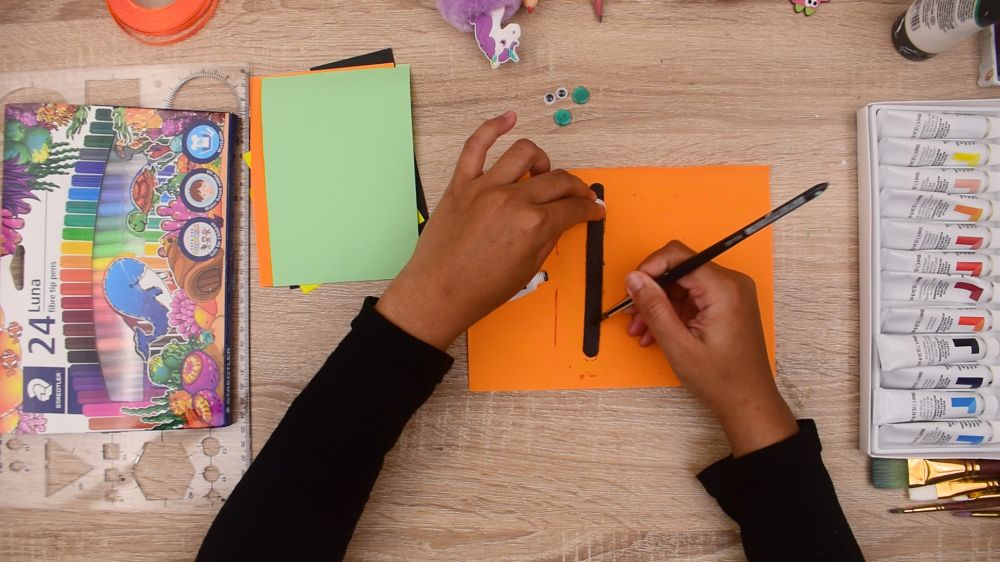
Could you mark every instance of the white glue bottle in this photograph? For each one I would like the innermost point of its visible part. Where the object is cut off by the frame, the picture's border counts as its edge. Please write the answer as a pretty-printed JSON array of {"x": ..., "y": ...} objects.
[{"x": 930, "y": 27}]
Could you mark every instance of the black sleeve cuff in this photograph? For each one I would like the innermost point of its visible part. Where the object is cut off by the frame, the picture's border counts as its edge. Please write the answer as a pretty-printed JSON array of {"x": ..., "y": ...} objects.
[
  {"x": 731, "y": 473},
  {"x": 399, "y": 346}
]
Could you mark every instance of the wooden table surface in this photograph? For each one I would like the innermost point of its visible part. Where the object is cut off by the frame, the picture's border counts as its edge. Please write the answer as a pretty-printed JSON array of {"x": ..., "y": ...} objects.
[{"x": 598, "y": 475}]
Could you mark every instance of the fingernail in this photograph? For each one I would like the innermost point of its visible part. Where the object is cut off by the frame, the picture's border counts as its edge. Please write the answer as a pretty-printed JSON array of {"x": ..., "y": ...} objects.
[
  {"x": 507, "y": 114},
  {"x": 601, "y": 202},
  {"x": 634, "y": 282}
]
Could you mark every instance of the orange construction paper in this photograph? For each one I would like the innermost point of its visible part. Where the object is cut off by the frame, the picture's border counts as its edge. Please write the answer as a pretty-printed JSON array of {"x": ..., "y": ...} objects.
[
  {"x": 536, "y": 342},
  {"x": 258, "y": 189}
]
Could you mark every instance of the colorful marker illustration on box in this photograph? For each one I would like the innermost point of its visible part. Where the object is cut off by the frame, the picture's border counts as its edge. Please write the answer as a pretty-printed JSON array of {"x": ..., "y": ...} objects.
[{"x": 113, "y": 273}]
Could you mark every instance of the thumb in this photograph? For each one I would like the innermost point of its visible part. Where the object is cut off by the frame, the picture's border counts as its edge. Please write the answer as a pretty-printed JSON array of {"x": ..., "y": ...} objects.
[{"x": 655, "y": 308}]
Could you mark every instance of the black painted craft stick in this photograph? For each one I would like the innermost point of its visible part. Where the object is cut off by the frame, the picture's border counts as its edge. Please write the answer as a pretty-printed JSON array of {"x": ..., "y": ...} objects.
[{"x": 713, "y": 251}]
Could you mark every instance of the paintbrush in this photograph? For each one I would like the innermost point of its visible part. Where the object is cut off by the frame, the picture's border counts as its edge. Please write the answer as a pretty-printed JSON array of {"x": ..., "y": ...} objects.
[
  {"x": 991, "y": 502},
  {"x": 715, "y": 250},
  {"x": 901, "y": 473},
  {"x": 976, "y": 513}
]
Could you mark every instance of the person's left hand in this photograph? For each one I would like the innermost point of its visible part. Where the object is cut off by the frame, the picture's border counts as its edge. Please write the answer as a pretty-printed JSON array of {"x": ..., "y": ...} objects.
[{"x": 488, "y": 236}]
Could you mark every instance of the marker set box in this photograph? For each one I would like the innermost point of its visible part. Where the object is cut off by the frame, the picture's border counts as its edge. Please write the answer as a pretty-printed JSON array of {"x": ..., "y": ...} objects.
[{"x": 929, "y": 235}]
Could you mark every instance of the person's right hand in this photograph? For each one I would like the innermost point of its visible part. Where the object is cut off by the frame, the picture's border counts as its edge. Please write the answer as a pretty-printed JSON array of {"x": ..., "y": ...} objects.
[{"x": 708, "y": 325}]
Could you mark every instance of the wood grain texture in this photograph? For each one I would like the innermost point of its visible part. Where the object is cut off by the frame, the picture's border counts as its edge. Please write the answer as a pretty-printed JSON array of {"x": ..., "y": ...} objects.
[{"x": 567, "y": 476}]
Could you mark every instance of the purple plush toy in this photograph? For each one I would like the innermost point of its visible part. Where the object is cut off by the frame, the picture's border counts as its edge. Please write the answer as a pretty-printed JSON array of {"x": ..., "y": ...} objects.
[{"x": 485, "y": 18}]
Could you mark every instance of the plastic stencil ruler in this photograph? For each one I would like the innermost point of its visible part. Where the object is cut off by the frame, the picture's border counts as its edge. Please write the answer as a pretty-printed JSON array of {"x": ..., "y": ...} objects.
[{"x": 143, "y": 470}]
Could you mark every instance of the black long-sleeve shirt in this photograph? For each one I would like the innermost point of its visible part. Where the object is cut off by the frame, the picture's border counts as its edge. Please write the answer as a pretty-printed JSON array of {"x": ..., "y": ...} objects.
[{"x": 303, "y": 495}]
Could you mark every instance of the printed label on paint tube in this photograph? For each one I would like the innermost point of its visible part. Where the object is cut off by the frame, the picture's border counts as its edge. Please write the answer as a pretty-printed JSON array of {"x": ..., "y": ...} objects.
[
  {"x": 905, "y": 235},
  {"x": 936, "y": 320},
  {"x": 959, "y": 375},
  {"x": 940, "y": 180},
  {"x": 910, "y": 152},
  {"x": 938, "y": 289},
  {"x": 957, "y": 432},
  {"x": 894, "y": 406},
  {"x": 898, "y": 352},
  {"x": 921, "y": 205},
  {"x": 926, "y": 125},
  {"x": 941, "y": 263},
  {"x": 935, "y": 27}
]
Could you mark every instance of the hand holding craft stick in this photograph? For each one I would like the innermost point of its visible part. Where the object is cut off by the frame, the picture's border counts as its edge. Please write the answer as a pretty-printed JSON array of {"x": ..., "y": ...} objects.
[
  {"x": 718, "y": 248},
  {"x": 488, "y": 237}
]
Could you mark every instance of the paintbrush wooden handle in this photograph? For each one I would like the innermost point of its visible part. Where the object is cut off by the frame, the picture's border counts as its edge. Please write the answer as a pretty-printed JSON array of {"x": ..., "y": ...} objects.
[{"x": 987, "y": 469}]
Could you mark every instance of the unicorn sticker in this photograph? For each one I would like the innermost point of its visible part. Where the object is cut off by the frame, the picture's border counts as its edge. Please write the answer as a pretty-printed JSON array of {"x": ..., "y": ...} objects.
[{"x": 498, "y": 43}]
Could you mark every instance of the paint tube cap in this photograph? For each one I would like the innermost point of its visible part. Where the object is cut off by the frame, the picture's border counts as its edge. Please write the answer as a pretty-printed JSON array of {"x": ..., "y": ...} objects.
[
  {"x": 994, "y": 131},
  {"x": 993, "y": 180},
  {"x": 994, "y": 269},
  {"x": 992, "y": 348},
  {"x": 994, "y": 158},
  {"x": 996, "y": 287},
  {"x": 994, "y": 375},
  {"x": 991, "y": 404}
]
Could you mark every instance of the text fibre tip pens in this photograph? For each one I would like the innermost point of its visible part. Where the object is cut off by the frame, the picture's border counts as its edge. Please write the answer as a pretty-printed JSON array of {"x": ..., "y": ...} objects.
[{"x": 713, "y": 251}]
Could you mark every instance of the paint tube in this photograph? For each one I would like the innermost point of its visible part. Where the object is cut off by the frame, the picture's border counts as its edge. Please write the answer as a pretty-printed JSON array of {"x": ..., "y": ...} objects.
[
  {"x": 929, "y": 27},
  {"x": 940, "y": 180},
  {"x": 941, "y": 263},
  {"x": 924, "y": 152},
  {"x": 955, "y": 432},
  {"x": 896, "y": 406},
  {"x": 926, "y": 125},
  {"x": 898, "y": 352},
  {"x": 907, "y": 235},
  {"x": 937, "y": 320},
  {"x": 938, "y": 289},
  {"x": 959, "y": 375},
  {"x": 921, "y": 205}
]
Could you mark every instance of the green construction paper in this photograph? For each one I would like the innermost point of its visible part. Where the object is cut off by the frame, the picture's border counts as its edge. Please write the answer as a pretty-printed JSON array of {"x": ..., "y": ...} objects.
[{"x": 340, "y": 179}]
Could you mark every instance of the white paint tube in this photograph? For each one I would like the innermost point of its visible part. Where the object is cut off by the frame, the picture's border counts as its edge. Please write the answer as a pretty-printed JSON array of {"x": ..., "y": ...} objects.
[
  {"x": 955, "y": 320},
  {"x": 941, "y": 263},
  {"x": 896, "y": 406},
  {"x": 921, "y": 205},
  {"x": 907, "y": 235},
  {"x": 956, "y": 432},
  {"x": 938, "y": 289},
  {"x": 929, "y": 152},
  {"x": 926, "y": 125},
  {"x": 898, "y": 352},
  {"x": 959, "y": 375},
  {"x": 939, "y": 180}
]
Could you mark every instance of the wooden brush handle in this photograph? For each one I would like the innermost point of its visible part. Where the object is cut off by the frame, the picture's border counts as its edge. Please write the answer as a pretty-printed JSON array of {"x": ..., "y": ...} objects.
[{"x": 988, "y": 469}]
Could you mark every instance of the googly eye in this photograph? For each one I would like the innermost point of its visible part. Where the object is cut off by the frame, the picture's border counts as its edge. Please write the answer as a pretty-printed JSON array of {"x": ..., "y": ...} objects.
[
  {"x": 550, "y": 98},
  {"x": 562, "y": 93}
]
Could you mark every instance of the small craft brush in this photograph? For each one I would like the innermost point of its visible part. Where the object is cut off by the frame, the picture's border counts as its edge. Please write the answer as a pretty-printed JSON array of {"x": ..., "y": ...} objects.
[
  {"x": 969, "y": 505},
  {"x": 599, "y": 10},
  {"x": 713, "y": 251},
  {"x": 976, "y": 513}
]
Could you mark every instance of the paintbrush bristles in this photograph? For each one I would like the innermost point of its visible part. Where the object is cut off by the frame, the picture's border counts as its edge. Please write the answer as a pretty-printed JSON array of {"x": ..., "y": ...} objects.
[{"x": 890, "y": 474}]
